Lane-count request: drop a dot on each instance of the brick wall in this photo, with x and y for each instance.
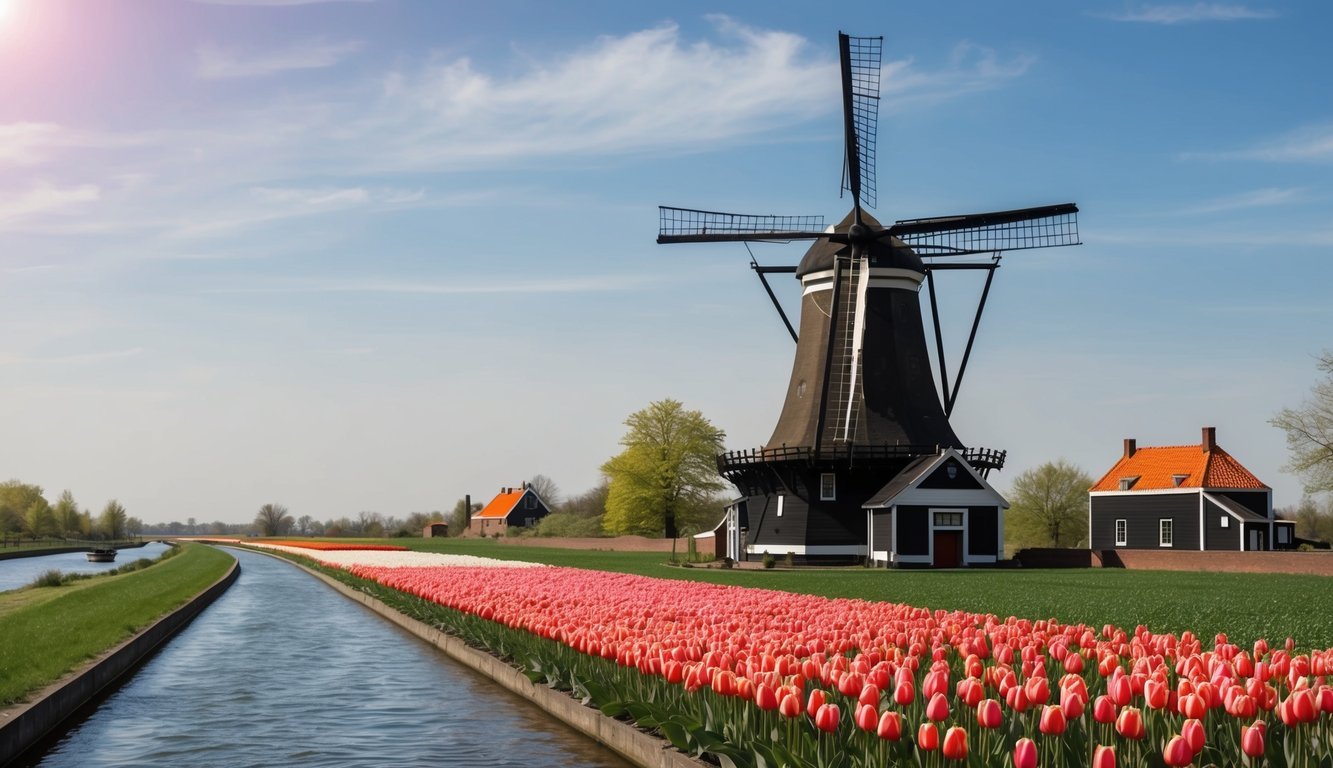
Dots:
(1316, 563)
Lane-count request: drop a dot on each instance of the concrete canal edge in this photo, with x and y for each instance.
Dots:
(24, 725)
(629, 742)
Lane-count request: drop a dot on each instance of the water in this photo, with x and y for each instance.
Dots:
(21, 571)
(283, 671)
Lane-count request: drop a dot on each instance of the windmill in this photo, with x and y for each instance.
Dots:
(861, 405)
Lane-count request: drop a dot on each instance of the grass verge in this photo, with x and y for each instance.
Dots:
(46, 632)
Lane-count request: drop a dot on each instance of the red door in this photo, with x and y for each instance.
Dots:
(948, 549)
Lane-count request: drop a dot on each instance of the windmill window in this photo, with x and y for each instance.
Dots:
(828, 487)
(1226, 521)
(1165, 531)
(781, 499)
(1121, 533)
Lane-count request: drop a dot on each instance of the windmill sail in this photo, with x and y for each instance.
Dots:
(860, 58)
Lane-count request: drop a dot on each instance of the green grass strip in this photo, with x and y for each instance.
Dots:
(47, 632)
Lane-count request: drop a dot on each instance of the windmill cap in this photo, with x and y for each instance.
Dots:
(887, 252)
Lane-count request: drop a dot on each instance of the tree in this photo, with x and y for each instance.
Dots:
(66, 513)
(669, 465)
(133, 526)
(39, 519)
(112, 520)
(303, 524)
(546, 489)
(1049, 505)
(273, 520)
(460, 517)
(17, 499)
(1309, 431)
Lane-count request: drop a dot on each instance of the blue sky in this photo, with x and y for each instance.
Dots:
(376, 255)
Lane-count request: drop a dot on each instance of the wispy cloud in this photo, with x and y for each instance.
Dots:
(74, 359)
(1310, 144)
(215, 63)
(1190, 14)
(971, 68)
(45, 198)
(576, 284)
(1258, 198)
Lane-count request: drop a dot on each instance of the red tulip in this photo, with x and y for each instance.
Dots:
(936, 682)
(1025, 754)
(867, 717)
(1104, 709)
(1038, 690)
(1177, 752)
(1052, 720)
(890, 726)
(1130, 724)
(1073, 702)
(1325, 699)
(955, 744)
(869, 694)
(970, 691)
(1103, 757)
(765, 698)
(1252, 740)
(938, 708)
(827, 717)
(928, 737)
(790, 706)
(817, 699)
(905, 692)
(1017, 699)
(1192, 731)
(1121, 690)
(1156, 693)
(989, 714)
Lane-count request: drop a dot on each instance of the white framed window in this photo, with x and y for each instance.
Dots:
(781, 498)
(828, 487)
(1226, 521)
(948, 519)
(1122, 533)
(1283, 534)
(1165, 531)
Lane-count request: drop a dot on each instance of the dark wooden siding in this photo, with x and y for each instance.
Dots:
(1141, 513)
(1215, 536)
(1262, 528)
(767, 529)
(1255, 501)
(518, 516)
(913, 531)
(883, 529)
(983, 528)
(940, 477)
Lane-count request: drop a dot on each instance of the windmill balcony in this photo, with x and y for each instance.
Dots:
(734, 463)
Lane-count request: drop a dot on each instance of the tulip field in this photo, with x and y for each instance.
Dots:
(757, 677)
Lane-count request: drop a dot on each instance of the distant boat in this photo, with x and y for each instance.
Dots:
(102, 555)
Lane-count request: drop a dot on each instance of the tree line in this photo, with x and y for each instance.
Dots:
(26, 513)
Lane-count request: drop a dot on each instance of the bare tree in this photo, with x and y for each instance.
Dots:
(273, 520)
(1310, 433)
(303, 524)
(546, 489)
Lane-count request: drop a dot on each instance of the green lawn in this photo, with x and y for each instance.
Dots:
(1245, 606)
(46, 632)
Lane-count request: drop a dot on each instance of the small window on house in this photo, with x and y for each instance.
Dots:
(828, 487)
(781, 498)
(945, 519)
(1164, 532)
(528, 521)
(1127, 483)
(530, 502)
(1226, 521)
(1121, 533)
(1176, 480)
(1283, 534)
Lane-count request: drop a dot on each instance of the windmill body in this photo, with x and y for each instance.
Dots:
(863, 463)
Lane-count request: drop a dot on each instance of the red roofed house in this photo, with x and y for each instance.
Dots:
(1188, 497)
(511, 507)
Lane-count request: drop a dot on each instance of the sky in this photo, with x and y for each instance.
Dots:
(373, 255)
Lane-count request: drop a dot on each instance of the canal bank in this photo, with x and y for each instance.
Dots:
(282, 670)
(23, 726)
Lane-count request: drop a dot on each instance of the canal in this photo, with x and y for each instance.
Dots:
(282, 670)
(22, 571)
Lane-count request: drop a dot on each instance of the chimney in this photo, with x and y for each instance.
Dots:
(1209, 438)
(1131, 445)
(467, 503)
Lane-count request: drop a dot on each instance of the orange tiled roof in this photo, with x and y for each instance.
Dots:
(1155, 469)
(502, 504)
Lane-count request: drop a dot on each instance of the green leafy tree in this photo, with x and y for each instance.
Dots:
(133, 526)
(17, 499)
(1049, 506)
(39, 519)
(1309, 431)
(460, 517)
(112, 520)
(66, 513)
(668, 467)
(273, 520)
